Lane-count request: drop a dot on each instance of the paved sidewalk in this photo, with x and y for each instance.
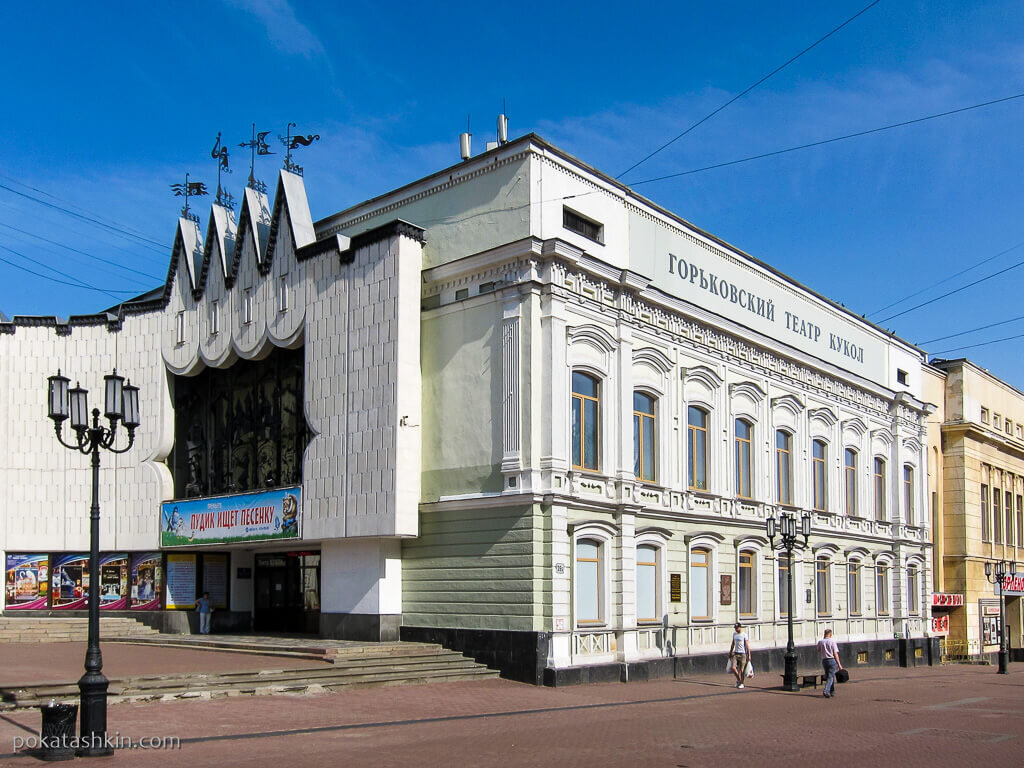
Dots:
(944, 716)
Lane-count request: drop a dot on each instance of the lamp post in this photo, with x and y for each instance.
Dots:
(786, 528)
(996, 574)
(121, 403)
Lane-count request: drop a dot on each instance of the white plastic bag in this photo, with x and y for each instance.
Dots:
(749, 669)
(728, 665)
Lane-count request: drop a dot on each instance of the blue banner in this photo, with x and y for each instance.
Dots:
(260, 516)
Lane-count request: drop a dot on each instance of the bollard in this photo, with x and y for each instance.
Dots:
(57, 736)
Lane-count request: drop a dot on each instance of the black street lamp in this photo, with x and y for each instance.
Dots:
(121, 403)
(996, 575)
(786, 529)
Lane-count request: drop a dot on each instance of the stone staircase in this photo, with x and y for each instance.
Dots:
(71, 629)
(365, 665)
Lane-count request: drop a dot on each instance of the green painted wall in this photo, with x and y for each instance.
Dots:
(475, 569)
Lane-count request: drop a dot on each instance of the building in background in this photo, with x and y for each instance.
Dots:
(513, 407)
(978, 444)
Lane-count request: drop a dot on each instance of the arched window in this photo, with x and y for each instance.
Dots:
(908, 492)
(784, 467)
(850, 472)
(700, 584)
(697, 432)
(913, 589)
(879, 488)
(744, 460)
(853, 587)
(746, 585)
(644, 457)
(647, 592)
(818, 473)
(586, 421)
(589, 582)
(823, 584)
(882, 588)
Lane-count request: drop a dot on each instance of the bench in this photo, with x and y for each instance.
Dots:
(809, 679)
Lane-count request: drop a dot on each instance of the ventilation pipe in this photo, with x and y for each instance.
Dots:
(465, 144)
(502, 129)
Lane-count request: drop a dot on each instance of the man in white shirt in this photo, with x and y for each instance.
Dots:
(739, 652)
(828, 652)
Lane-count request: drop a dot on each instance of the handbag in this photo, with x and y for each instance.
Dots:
(842, 676)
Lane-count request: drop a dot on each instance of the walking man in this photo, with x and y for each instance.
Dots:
(205, 609)
(828, 652)
(740, 654)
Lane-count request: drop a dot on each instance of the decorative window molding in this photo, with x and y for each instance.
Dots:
(594, 335)
(654, 358)
(789, 403)
(855, 426)
(703, 374)
(747, 389)
(825, 416)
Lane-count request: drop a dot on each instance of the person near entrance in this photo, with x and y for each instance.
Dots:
(205, 609)
(828, 652)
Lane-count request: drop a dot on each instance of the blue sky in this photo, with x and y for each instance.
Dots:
(105, 107)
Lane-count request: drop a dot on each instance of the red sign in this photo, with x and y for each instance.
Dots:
(940, 625)
(946, 600)
(1012, 584)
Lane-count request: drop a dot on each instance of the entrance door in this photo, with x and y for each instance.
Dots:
(287, 593)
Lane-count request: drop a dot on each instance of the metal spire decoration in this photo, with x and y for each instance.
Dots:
(220, 154)
(257, 146)
(187, 190)
(294, 142)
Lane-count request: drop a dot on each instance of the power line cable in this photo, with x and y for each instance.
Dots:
(83, 253)
(116, 229)
(950, 293)
(752, 87)
(982, 344)
(78, 284)
(946, 280)
(827, 141)
(979, 328)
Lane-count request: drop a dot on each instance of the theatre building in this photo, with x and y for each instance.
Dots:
(512, 407)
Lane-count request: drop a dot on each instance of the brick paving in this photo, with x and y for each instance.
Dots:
(945, 716)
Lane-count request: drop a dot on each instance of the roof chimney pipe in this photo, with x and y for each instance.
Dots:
(502, 129)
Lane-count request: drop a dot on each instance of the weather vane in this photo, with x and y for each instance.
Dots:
(257, 146)
(187, 190)
(294, 142)
(220, 154)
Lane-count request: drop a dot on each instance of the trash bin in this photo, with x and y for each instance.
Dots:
(58, 733)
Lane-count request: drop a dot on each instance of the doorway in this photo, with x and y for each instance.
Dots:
(287, 593)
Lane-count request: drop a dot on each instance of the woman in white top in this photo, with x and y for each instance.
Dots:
(739, 652)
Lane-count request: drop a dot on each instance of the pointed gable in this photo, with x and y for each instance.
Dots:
(253, 229)
(290, 204)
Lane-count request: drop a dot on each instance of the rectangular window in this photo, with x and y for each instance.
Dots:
(1009, 426)
(853, 588)
(818, 470)
(1008, 514)
(588, 582)
(746, 584)
(913, 589)
(214, 318)
(647, 584)
(783, 467)
(247, 306)
(908, 493)
(700, 583)
(784, 585)
(901, 377)
(823, 578)
(850, 470)
(697, 429)
(585, 421)
(995, 420)
(643, 437)
(581, 225)
(986, 529)
(997, 518)
(1020, 520)
(882, 590)
(744, 464)
(282, 294)
(879, 489)
(984, 415)
(179, 328)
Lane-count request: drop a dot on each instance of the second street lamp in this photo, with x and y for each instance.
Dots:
(996, 574)
(786, 529)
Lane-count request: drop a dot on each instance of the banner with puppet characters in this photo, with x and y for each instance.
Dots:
(260, 516)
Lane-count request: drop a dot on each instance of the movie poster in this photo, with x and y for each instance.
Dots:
(27, 582)
(147, 581)
(114, 582)
(69, 582)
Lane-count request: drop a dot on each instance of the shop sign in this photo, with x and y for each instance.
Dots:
(940, 625)
(946, 600)
(260, 516)
(1012, 585)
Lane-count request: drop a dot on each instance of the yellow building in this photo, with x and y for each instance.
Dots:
(976, 482)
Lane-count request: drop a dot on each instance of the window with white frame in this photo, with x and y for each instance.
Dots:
(247, 306)
(282, 294)
(744, 458)
(214, 317)
(746, 584)
(908, 492)
(586, 421)
(853, 587)
(644, 437)
(1008, 514)
(648, 594)
(882, 588)
(913, 589)
(783, 467)
(700, 584)
(823, 585)
(589, 582)
(819, 453)
(179, 328)
(879, 477)
(850, 474)
(697, 459)
(986, 528)
(997, 518)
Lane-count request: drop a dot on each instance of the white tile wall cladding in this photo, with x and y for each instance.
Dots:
(347, 315)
